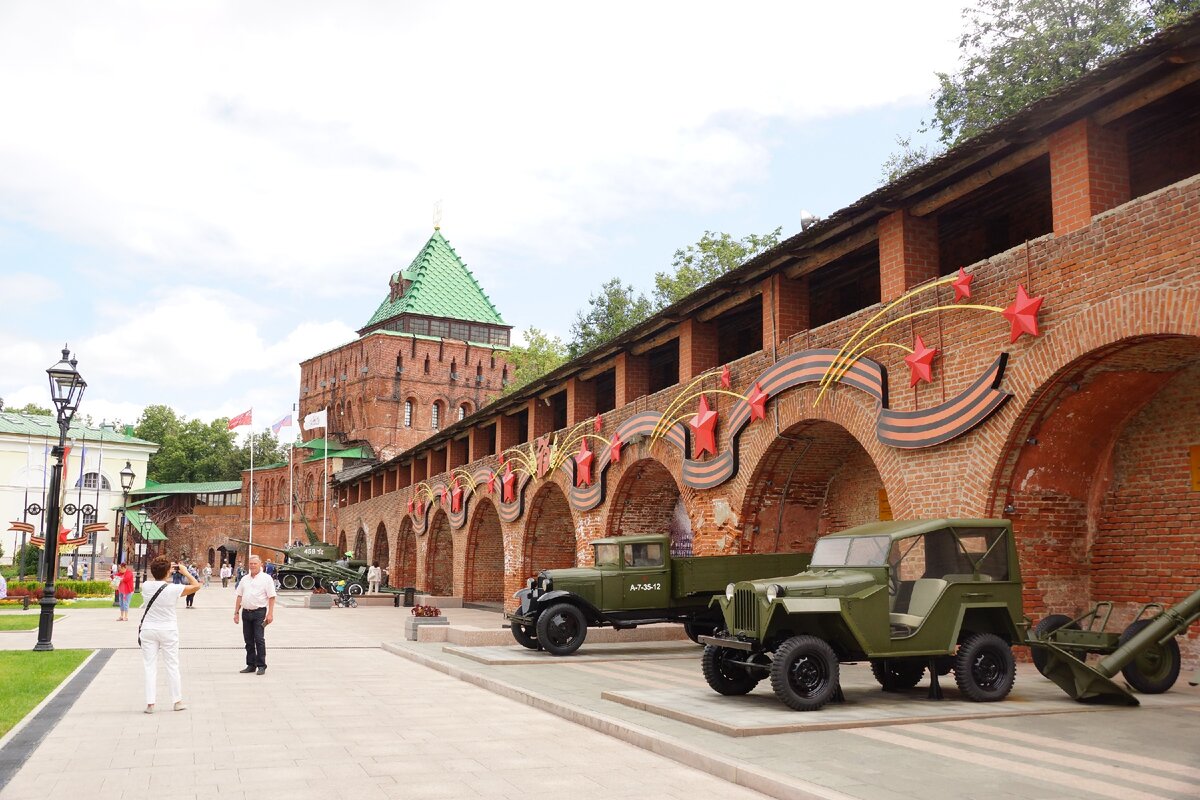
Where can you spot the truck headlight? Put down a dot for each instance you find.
(774, 591)
(729, 592)
(545, 584)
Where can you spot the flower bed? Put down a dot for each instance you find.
(426, 611)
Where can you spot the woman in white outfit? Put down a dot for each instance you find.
(159, 631)
(374, 575)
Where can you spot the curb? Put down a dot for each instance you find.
(769, 783)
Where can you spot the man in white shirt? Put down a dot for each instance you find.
(255, 609)
(226, 574)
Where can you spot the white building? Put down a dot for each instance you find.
(92, 475)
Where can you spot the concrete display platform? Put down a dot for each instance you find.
(635, 651)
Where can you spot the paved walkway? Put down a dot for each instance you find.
(337, 713)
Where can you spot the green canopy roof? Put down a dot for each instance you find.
(442, 286)
(38, 425)
(204, 487)
(146, 527)
(354, 452)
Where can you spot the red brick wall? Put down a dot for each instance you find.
(549, 533)
(439, 557)
(908, 253)
(404, 568)
(484, 562)
(644, 501)
(1089, 173)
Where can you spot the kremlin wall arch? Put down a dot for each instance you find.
(1011, 330)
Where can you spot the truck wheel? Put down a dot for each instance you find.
(723, 677)
(695, 630)
(896, 674)
(1156, 668)
(805, 673)
(289, 581)
(984, 668)
(308, 582)
(561, 629)
(1042, 632)
(525, 635)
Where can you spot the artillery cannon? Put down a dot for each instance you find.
(1146, 653)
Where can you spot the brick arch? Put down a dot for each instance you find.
(380, 548)
(404, 570)
(341, 542)
(648, 499)
(484, 558)
(439, 556)
(844, 414)
(815, 478)
(360, 545)
(549, 535)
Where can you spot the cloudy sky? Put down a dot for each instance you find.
(198, 195)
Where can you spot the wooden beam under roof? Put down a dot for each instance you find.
(964, 187)
(646, 345)
(826, 255)
(1144, 97)
(732, 301)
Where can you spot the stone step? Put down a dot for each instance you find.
(475, 636)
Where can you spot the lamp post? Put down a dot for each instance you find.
(66, 390)
(127, 477)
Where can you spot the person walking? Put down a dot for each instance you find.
(374, 575)
(124, 590)
(226, 573)
(195, 573)
(83, 573)
(255, 609)
(207, 575)
(159, 631)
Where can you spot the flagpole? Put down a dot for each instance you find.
(42, 516)
(94, 537)
(291, 450)
(250, 547)
(325, 472)
(25, 509)
(79, 504)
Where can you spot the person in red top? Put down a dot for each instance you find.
(124, 590)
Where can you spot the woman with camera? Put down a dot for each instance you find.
(159, 631)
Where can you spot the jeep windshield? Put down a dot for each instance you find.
(851, 551)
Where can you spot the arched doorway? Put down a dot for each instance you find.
(814, 479)
(379, 554)
(439, 557)
(549, 532)
(404, 572)
(1100, 483)
(212, 558)
(485, 555)
(360, 545)
(647, 500)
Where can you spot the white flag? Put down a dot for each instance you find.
(316, 419)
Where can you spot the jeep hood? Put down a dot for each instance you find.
(820, 583)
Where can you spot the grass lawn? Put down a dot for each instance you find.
(27, 677)
(135, 601)
(21, 622)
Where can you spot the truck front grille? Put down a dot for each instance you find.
(745, 610)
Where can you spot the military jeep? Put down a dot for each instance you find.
(907, 596)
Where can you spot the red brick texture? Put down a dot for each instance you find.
(1089, 173)
(908, 253)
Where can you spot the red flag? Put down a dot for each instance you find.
(241, 419)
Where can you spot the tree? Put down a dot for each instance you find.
(705, 261)
(1013, 52)
(35, 410)
(539, 355)
(613, 310)
(906, 159)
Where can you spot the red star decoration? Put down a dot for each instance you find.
(583, 465)
(614, 450)
(508, 485)
(491, 483)
(920, 363)
(1023, 314)
(962, 285)
(704, 429)
(726, 377)
(456, 496)
(599, 423)
(758, 403)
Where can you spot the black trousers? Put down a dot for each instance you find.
(253, 633)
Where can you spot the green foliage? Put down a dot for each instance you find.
(705, 261)
(539, 355)
(31, 555)
(1013, 52)
(27, 677)
(906, 159)
(613, 310)
(194, 451)
(34, 409)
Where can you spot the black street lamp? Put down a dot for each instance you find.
(66, 390)
(127, 477)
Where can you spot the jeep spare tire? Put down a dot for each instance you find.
(561, 629)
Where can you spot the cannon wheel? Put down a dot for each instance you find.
(897, 674)
(805, 673)
(984, 668)
(1156, 667)
(1042, 632)
(355, 588)
(308, 582)
(561, 629)
(289, 581)
(723, 677)
(526, 635)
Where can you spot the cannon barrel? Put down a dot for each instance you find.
(1167, 625)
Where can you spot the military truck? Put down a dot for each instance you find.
(635, 581)
(942, 595)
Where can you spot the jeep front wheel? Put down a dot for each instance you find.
(984, 668)
(805, 673)
(725, 677)
(561, 629)
(526, 635)
(897, 675)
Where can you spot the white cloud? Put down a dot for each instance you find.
(242, 138)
